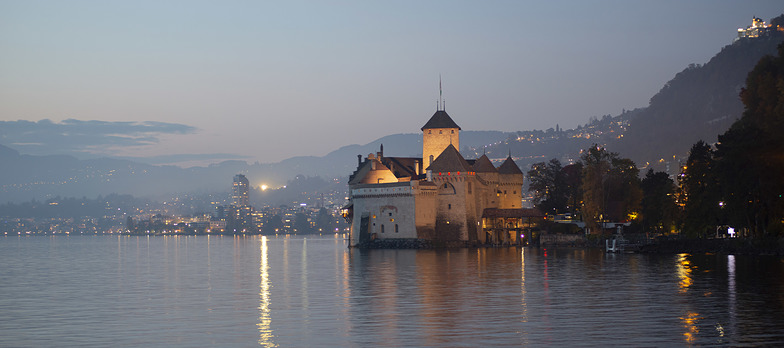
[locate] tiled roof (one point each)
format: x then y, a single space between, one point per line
440 120
402 166
509 167
483 165
450 160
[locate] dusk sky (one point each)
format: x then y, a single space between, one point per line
264 81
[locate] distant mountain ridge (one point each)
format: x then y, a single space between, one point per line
26 177
700 102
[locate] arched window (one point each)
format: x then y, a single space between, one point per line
453 131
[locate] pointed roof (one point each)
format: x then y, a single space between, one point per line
509 167
483 165
440 120
450 160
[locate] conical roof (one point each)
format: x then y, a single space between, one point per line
440 120
483 165
450 160
509 167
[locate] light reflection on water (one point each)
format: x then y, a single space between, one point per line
293 291
265 331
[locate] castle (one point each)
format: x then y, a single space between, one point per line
440 197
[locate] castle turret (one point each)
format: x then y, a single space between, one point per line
510 186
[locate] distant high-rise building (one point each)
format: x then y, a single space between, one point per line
240 190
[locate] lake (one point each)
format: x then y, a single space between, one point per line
187 291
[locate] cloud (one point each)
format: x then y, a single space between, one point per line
187 158
84 138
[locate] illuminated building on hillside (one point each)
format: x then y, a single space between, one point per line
758 28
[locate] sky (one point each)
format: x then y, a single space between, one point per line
205 81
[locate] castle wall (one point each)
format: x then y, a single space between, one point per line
511 195
425 199
391 210
456 217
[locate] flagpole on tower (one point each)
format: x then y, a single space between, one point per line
440 93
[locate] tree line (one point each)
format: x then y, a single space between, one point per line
737 182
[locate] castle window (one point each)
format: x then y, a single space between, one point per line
396 230
514 192
449 206
382 228
390 214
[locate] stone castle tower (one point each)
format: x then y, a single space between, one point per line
438 133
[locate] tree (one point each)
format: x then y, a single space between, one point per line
611 187
750 155
573 180
556 188
659 211
325 222
699 191
546 184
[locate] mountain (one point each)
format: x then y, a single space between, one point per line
699 103
26 177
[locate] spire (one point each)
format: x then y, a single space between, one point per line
440 94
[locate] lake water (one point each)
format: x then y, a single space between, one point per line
291 291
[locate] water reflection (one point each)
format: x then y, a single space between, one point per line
731 294
684 270
220 290
265 321
524 308
690 321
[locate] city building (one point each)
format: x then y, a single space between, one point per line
240 191
439 197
